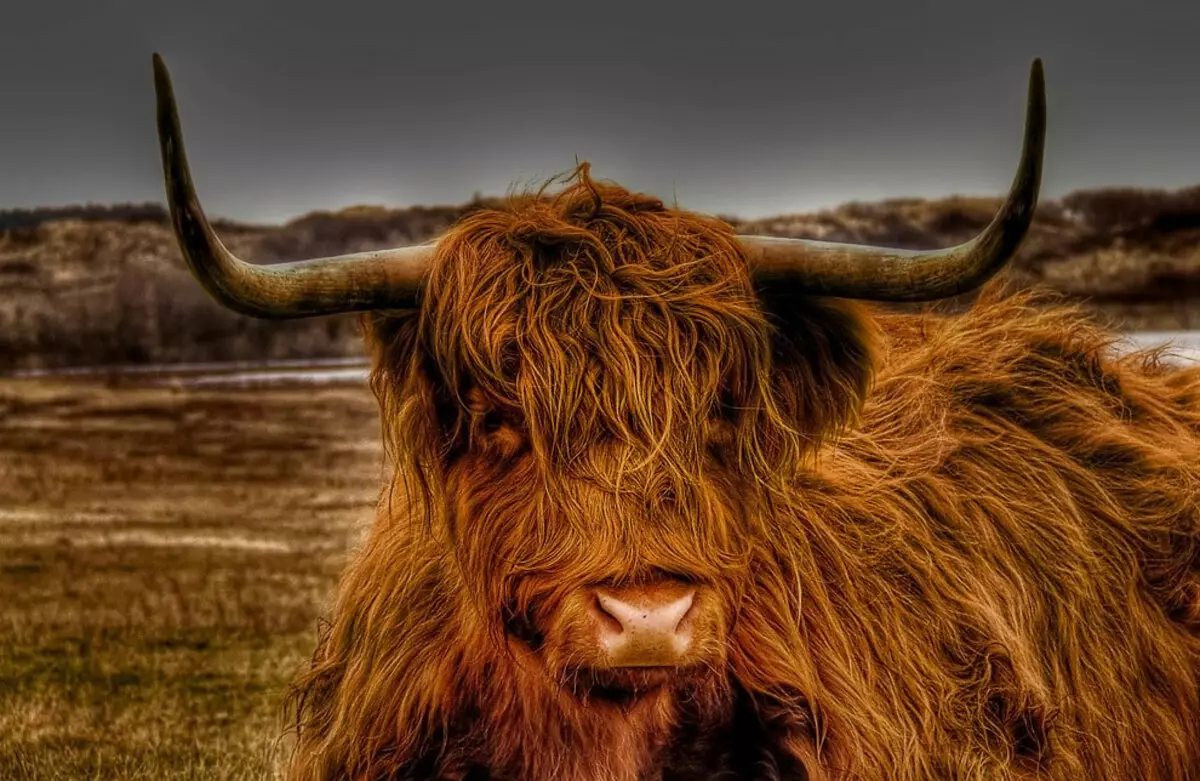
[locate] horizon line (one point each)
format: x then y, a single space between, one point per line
479 196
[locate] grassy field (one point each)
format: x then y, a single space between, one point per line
164 558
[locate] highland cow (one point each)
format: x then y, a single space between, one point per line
669 503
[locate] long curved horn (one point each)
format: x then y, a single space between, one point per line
882 274
367 280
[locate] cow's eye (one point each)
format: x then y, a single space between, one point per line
493 421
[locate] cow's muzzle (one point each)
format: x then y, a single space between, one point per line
646 625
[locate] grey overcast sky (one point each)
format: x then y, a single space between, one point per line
733 107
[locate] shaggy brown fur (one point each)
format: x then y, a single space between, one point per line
944 547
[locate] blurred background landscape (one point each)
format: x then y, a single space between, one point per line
101 285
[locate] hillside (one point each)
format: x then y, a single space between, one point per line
96 284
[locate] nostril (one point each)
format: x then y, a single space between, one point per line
685 622
608 622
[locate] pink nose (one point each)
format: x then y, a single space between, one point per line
645 626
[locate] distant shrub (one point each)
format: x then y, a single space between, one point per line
125 212
1116 209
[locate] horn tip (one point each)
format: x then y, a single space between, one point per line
162 77
1037 89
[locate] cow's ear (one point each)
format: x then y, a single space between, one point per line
824 356
419 413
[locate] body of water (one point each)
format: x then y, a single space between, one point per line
1184 345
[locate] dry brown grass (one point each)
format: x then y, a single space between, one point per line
164 557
